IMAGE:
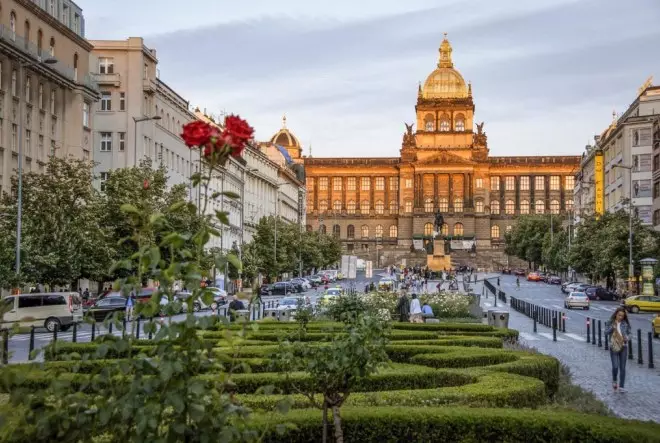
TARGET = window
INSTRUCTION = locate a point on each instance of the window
(656, 189)
(336, 231)
(41, 97)
(26, 34)
(122, 141)
(495, 183)
(554, 207)
(323, 183)
(75, 67)
(510, 207)
(380, 183)
(509, 228)
(350, 207)
(394, 231)
(479, 183)
(350, 231)
(14, 137)
(106, 65)
(458, 229)
(336, 205)
(428, 204)
(76, 23)
(14, 85)
(53, 126)
(365, 231)
(122, 101)
(322, 229)
(28, 142)
(460, 123)
(524, 183)
(428, 229)
(555, 183)
(379, 231)
(51, 50)
(443, 204)
(85, 114)
(428, 125)
(495, 231)
(458, 204)
(336, 184)
(40, 154)
(51, 8)
(495, 207)
(104, 177)
(12, 25)
(53, 95)
(351, 184)
(509, 183)
(106, 101)
(65, 15)
(569, 182)
(394, 184)
(524, 207)
(569, 204)
(29, 302)
(444, 125)
(539, 207)
(323, 205)
(365, 183)
(479, 206)
(40, 41)
(146, 71)
(364, 207)
(394, 207)
(409, 183)
(106, 141)
(444, 229)
(380, 207)
(408, 207)
(539, 183)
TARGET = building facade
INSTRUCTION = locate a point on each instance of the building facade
(388, 204)
(45, 90)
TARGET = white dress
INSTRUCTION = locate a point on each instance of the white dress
(415, 307)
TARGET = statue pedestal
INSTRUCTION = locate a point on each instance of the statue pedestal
(438, 261)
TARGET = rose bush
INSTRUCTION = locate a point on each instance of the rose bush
(215, 144)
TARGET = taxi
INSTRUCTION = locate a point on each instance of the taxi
(386, 284)
(533, 276)
(329, 296)
(638, 303)
(656, 326)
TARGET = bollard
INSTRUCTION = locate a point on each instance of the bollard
(535, 317)
(593, 331)
(31, 343)
(123, 329)
(495, 298)
(640, 355)
(600, 340)
(74, 334)
(588, 330)
(554, 329)
(651, 366)
(110, 328)
(5, 346)
(563, 322)
(607, 345)
(55, 334)
(93, 330)
(137, 331)
(630, 351)
(152, 320)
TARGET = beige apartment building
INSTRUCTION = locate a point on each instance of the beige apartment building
(45, 89)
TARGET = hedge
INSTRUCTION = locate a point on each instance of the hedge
(456, 424)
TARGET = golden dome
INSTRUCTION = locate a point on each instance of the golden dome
(445, 81)
(284, 137)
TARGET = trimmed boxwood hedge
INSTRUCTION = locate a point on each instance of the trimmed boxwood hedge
(456, 424)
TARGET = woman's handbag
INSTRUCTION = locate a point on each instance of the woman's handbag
(617, 341)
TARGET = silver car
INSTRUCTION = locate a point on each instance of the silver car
(576, 300)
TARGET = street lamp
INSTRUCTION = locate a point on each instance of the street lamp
(631, 269)
(139, 120)
(19, 213)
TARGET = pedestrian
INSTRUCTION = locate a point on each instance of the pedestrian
(517, 283)
(85, 295)
(403, 308)
(415, 310)
(618, 331)
(129, 306)
(427, 311)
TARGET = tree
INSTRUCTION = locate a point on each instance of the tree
(63, 237)
(555, 251)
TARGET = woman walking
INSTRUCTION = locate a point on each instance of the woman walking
(415, 310)
(618, 331)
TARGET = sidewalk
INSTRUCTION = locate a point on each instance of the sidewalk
(590, 366)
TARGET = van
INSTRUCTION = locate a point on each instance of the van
(53, 310)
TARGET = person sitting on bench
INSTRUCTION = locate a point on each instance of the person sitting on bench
(427, 311)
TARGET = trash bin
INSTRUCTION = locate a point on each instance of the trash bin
(498, 319)
(284, 315)
(270, 313)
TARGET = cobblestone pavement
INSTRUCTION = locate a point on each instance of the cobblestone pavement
(590, 366)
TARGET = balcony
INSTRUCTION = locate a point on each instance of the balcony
(108, 79)
(149, 86)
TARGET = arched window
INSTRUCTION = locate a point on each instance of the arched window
(380, 207)
(428, 229)
(167, 122)
(569, 205)
(458, 229)
(40, 42)
(443, 204)
(495, 207)
(394, 207)
(336, 231)
(510, 207)
(524, 207)
(12, 25)
(350, 207)
(409, 207)
(445, 126)
(350, 231)
(394, 231)
(444, 229)
(323, 205)
(379, 231)
(52, 47)
(458, 205)
(495, 231)
(308, 228)
(539, 207)
(365, 231)
(459, 122)
(75, 67)
(364, 207)
(429, 123)
(336, 205)
(554, 207)
(428, 204)
(479, 206)
(26, 34)
(322, 229)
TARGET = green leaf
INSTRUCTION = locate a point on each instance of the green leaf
(230, 194)
(223, 217)
(129, 209)
(235, 261)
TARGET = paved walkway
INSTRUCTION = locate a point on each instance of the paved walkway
(590, 366)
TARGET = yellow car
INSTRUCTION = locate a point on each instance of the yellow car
(329, 296)
(656, 326)
(386, 284)
(638, 303)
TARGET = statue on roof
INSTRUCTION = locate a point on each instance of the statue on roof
(480, 137)
(408, 136)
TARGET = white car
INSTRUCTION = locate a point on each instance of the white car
(576, 300)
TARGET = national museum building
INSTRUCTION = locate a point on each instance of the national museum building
(388, 204)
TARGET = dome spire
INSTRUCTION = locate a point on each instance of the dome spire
(445, 54)
(284, 121)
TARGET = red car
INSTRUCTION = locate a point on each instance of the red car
(534, 276)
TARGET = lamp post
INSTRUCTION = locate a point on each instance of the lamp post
(140, 120)
(631, 269)
(19, 212)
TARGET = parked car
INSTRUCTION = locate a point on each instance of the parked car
(329, 296)
(331, 273)
(576, 287)
(506, 271)
(298, 285)
(304, 282)
(638, 303)
(105, 307)
(290, 304)
(656, 326)
(51, 310)
(554, 280)
(520, 272)
(533, 276)
(282, 288)
(564, 286)
(265, 290)
(600, 293)
(576, 300)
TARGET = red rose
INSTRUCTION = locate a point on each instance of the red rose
(236, 134)
(145, 185)
(198, 133)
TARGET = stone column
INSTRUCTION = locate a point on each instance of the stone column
(435, 191)
(466, 192)
(344, 192)
(358, 195)
(372, 191)
(451, 192)
(386, 200)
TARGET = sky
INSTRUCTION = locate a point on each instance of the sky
(546, 74)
